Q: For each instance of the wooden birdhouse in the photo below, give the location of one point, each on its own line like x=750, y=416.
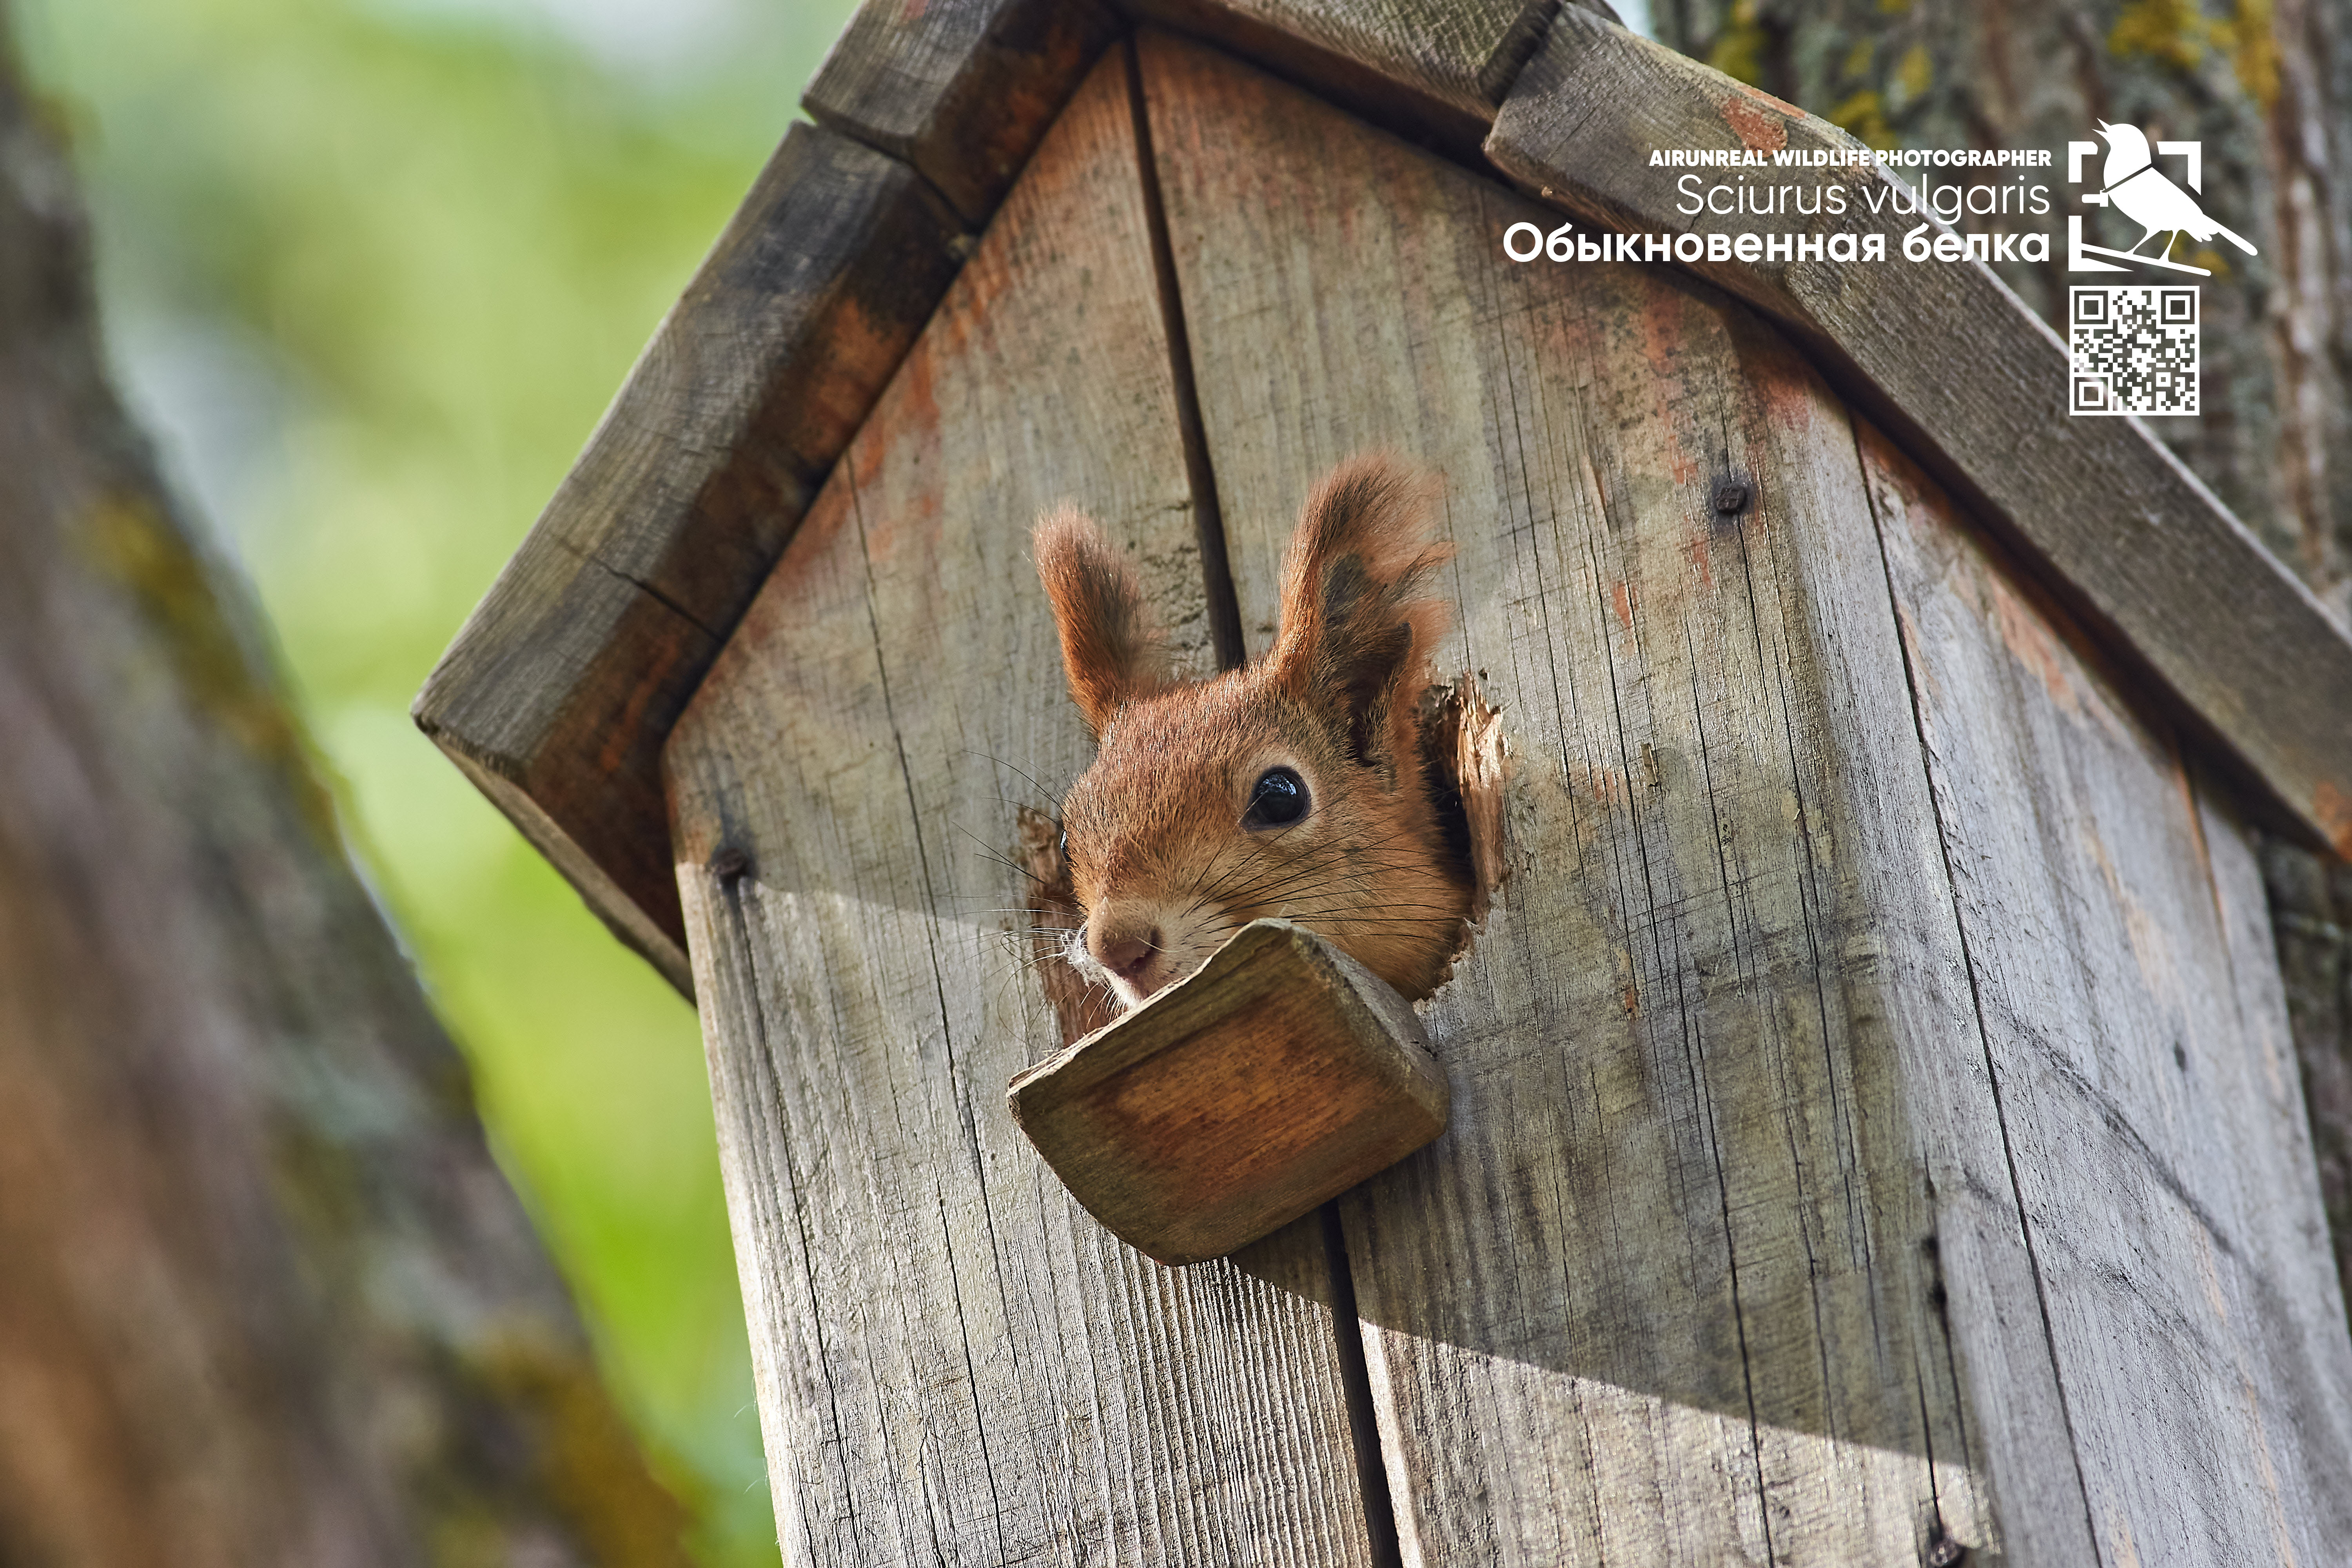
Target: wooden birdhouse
x=1875, y=1134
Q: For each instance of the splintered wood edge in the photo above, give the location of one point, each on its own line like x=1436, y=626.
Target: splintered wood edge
x=2116, y=524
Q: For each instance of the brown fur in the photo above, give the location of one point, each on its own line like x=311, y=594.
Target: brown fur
x=1160, y=860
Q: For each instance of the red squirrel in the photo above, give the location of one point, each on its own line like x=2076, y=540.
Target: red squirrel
x=1294, y=787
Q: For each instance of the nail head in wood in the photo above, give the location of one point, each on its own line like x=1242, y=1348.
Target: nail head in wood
x=1732, y=496
x=1277, y=1076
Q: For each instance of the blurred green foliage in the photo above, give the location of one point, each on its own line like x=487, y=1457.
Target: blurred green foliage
x=372, y=270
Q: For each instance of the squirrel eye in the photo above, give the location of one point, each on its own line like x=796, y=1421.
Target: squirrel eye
x=1065, y=848
x=1278, y=799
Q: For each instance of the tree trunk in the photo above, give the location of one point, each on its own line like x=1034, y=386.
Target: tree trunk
x=266, y=1300
x=2267, y=89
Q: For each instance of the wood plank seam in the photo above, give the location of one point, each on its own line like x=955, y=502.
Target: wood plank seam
x=1519, y=43
x=1225, y=628
x=1208, y=521
x=1943, y=1530
x=1976, y=1003
x=1363, y=1409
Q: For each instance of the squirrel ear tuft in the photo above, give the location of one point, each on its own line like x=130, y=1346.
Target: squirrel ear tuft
x=1111, y=652
x=1355, y=625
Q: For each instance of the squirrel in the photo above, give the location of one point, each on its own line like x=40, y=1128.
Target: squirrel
x=1296, y=787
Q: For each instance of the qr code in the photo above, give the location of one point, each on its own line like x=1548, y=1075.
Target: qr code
x=2134, y=350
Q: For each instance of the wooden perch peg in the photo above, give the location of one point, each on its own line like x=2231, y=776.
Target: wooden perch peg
x=1275, y=1078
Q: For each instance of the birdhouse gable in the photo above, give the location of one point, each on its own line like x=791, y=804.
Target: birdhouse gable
x=557, y=695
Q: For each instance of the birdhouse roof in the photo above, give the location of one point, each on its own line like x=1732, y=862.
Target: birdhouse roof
x=557, y=695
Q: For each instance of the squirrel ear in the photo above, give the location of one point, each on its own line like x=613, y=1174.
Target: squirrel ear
x=1355, y=624
x=1111, y=652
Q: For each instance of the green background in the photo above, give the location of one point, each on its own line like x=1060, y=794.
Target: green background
x=370, y=270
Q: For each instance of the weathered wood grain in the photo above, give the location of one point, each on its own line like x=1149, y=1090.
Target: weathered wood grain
x=2133, y=1018
x=2132, y=538
x=961, y=89
x=2263, y=1108
x=955, y=1363
x=557, y=694
x=2311, y=915
x=1662, y=1292
x=1273, y=1078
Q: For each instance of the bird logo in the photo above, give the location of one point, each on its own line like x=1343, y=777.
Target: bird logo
x=2132, y=184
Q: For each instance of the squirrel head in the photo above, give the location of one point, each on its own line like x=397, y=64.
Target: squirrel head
x=1293, y=787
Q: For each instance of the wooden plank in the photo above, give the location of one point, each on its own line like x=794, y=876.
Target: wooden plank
x=2261, y=1092
x=961, y=89
x=2132, y=1016
x=1428, y=69
x=2131, y=538
x=2310, y=911
x=557, y=694
x=1268, y=1081
x=955, y=1363
x=1664, y=1290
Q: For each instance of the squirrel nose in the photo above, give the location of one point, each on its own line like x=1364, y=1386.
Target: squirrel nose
x=1126, y=952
